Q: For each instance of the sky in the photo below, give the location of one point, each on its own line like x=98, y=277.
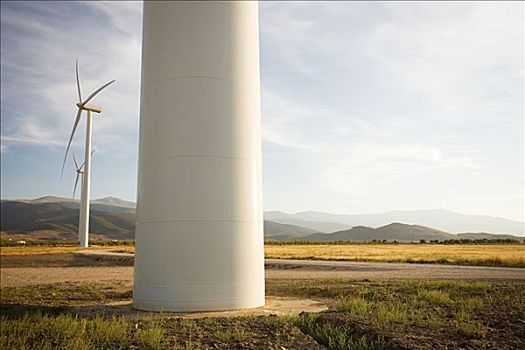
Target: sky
x=366, y=106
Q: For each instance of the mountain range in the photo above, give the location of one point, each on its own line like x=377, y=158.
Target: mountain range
x=112, y=218
x=439, y=219
x=401, y=233
x=111, y=201
x=57, y=218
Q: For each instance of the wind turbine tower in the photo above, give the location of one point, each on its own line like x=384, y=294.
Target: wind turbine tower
x=199, y=229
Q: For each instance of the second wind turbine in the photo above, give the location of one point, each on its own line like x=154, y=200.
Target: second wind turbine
x=83, y=226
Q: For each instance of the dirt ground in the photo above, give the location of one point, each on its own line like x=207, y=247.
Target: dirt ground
x=26, y=270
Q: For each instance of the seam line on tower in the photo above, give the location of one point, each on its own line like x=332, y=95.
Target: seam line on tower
x=196, y=156
x=194, y=76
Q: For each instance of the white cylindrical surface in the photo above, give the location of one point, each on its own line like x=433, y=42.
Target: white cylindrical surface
x=83, y=226
x=199, y=230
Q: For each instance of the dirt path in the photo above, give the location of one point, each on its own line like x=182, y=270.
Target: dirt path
x=275, y=269
x=299, y=269
x=28, y=276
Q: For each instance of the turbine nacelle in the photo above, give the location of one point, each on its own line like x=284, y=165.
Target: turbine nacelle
x=89, y=108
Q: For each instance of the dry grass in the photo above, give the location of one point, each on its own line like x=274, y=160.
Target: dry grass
x=41, y=331
x=457, y=254
x=35, y=250
x=382, y=315
x=461, y=254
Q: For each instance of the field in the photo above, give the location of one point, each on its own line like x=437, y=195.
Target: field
x=359, y=313
x=457, y=254
x=509, y=255
x=43, y=249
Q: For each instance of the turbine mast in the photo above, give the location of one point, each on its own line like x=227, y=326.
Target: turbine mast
x=199, y=226
x=83, y=226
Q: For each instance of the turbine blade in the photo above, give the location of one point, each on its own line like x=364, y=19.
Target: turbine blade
x=78, y=85
x=96, y=92
x=75, y=160
x=82, y=165
x=76, y=183
x=77, y=120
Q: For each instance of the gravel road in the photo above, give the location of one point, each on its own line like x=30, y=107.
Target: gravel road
x=275, y=269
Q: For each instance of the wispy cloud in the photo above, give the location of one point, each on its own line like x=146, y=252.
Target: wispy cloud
x=395, y=97
x=466, y=59
x=39, y=48
x=352, y=155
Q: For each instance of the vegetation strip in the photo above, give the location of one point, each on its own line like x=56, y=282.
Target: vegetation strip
x=362, y=315
x=500, y=255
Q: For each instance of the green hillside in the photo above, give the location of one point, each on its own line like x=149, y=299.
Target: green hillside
x=401, y=233
x=393, y=232
x=62, y=219
x=281, y=232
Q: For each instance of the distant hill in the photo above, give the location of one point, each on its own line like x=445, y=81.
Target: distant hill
x=318, y=226
x=392, y=232
x=115, y=202
x=443, y=220
x=401, y=233
x=483, y=235
x=110, y=201
x=283, y=232
x=59, y=220
x=48, y=199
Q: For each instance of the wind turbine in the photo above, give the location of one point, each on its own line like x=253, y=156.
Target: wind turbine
x=80, y=174
x=83, y=226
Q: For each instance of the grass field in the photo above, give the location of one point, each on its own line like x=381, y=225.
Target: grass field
x=43, y=249
x=440, y=314
x=509, y=255
x=459, y=254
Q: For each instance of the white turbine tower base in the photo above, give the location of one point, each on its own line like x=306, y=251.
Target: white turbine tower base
x=83, y=225
x=199, y=230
